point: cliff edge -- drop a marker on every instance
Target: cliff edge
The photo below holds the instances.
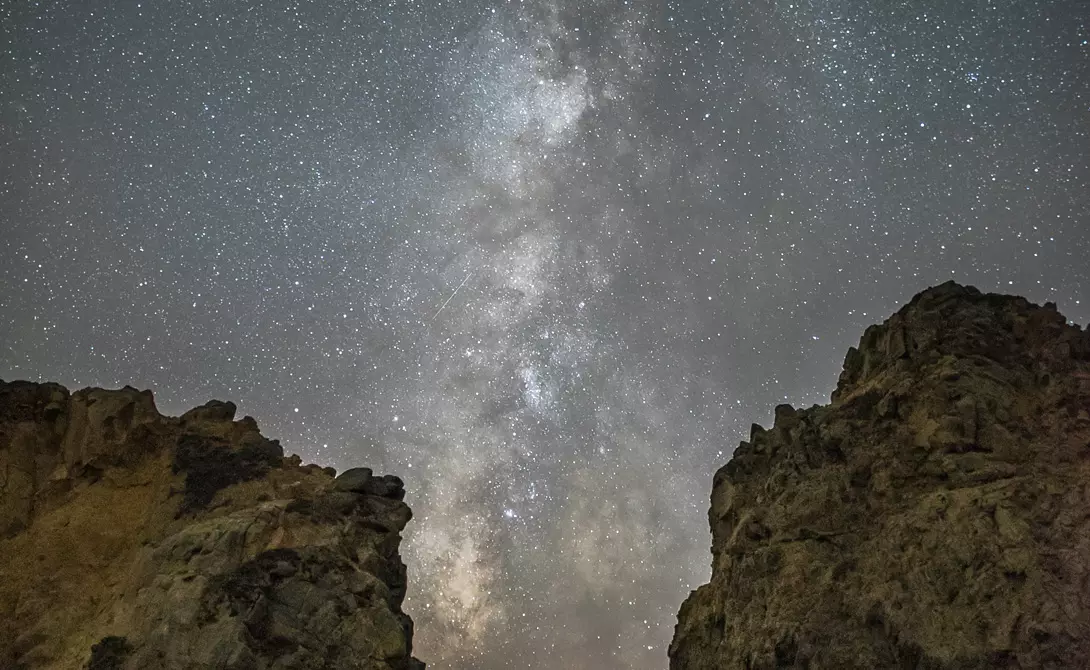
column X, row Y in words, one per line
column 130, row 540
column 935, row 515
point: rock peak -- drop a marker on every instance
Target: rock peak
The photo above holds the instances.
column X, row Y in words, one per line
column 960, row 321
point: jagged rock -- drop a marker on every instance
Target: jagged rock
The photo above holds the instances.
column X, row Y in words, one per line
column 130, row 540
column 213, row 410
column 360, row 480
column 935, row 515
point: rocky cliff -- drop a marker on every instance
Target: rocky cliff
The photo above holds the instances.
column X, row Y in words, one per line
column 130, row 540
column 935, row 515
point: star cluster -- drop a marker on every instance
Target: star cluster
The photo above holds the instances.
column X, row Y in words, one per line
column 546, row 260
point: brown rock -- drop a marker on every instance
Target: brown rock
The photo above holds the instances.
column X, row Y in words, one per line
column 933, row 516
column 130, row 540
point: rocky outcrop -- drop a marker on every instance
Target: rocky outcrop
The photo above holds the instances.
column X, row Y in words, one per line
column 935, row 515
column 130, row 540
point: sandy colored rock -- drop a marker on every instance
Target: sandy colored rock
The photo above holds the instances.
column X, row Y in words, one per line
column 935, row 515
column 130, row 540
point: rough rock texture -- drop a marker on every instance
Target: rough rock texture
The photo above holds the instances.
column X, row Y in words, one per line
column 935, row 515
column 130, row 540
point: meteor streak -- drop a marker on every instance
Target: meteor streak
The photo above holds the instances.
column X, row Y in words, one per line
column 447, row 301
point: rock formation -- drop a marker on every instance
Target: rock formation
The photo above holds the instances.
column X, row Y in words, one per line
column 130, row 540
column 935, row 515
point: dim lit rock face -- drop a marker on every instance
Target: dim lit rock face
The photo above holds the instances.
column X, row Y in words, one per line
column 131, row 540
column 931, row 516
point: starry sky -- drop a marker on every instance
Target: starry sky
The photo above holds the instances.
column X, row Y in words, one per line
column 546, row 260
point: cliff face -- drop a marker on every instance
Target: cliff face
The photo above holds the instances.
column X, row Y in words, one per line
column 130, row 540
column 935, row 515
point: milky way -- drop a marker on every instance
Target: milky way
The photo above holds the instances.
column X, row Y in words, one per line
column 545, row 260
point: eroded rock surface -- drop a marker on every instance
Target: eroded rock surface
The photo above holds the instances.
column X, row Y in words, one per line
column 935, row 515
column 130, row 540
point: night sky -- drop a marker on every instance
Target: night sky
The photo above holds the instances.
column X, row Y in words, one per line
column 546, row 261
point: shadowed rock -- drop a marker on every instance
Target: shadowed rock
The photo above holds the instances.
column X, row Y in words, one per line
column 360, row 480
